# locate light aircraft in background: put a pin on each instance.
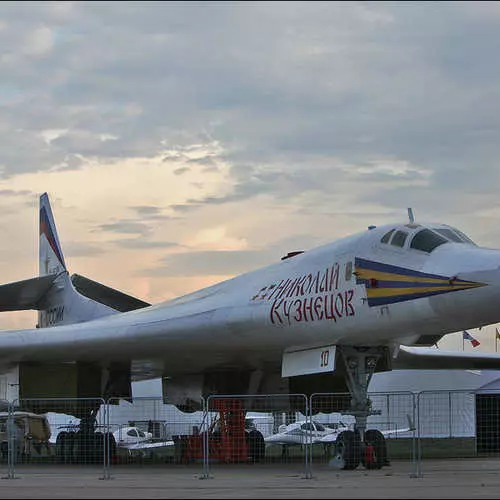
(311, 432)
(300, 433)
(131, 435)
(139, 442)
(319, 321)
(303, 432)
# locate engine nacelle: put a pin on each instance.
(72, 388)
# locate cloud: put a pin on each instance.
(81, 249)
(357, 81)
(212, 263)
(227, 261)
(15, 193)
(148, 212)
(217, 238)
(142, 244)
(181, 170)
(158, 122)
(126, 227)
(208, 163)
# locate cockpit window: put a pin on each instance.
(453, 234)
(464, 237)
(387, 236)
(399, 238)
(450, 234)
(427, 240)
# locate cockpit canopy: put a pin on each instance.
(424, 238)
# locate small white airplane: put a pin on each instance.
(138, 442)
(126, 436)
(303, 432)
(337, 435)
(333, 436)
(319, 321)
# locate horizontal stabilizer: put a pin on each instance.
(105, 295)
(425, 358)
(26, 294)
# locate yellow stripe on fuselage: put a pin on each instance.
(366, 274)
(392, 292)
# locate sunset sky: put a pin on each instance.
(182, 143)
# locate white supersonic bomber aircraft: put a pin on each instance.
(319, 321)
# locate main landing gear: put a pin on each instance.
(360, 445)
(83, 445)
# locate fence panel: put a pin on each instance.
(6, 443)
(147, 431)
(390, 432)
(285, 431)
(459, 425)
(256, 429)
(40, 432)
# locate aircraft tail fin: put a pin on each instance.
(60, 303)
(58, 297)
(50, 256)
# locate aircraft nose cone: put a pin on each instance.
(474, 300)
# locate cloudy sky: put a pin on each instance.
(182, 143)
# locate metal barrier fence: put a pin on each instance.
(148, 431)
(459, 425)
(390, 432)
(300, 433)
(55, 431)
(250, 429)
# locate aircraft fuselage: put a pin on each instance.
(357, 291)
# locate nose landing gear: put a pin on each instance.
(367, 447)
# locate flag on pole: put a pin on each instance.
(498, 334)
(468, 336)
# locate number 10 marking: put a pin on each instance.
(324, 358)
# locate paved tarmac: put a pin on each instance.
(436, 479)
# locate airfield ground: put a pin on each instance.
(467, 478)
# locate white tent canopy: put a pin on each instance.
(445, 399)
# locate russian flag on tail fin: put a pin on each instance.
(51, 259)
(53, 293)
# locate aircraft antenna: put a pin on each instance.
(410, 215)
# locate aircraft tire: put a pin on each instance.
(376, 450)
(348, 449)
(88, 448)
(256, 446)
(188, 408)
(61, 437)
(4, 450)
(110, 442)
(80, 448)
(65, 448)
(98, 448)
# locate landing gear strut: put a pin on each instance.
(84, 445)
(361, 445)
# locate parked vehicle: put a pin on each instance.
(29, 433)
